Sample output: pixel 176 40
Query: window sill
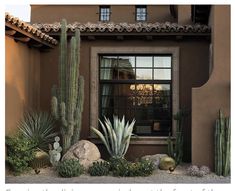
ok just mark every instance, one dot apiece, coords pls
pixel 143 140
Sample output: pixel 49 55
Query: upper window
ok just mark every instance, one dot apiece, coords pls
pixel 141 12
pixel 105 13
pixel 140 87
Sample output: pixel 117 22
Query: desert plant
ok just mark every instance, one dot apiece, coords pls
pixel 123 168
pixel 40 160
pixel 116 137
pixel 222 145
pixel 20 152
pixel 194 170
pixel 141 168
pixel 119 167
pixel 100 168
pixel 55 152
pixel 176 150
pixel 70 168
pixel 68 97
pixel 39 128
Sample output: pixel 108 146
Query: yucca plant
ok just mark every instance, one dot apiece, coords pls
pixel 38 127
pixel 116 137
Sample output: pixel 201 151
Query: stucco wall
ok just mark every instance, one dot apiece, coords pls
pixel 193 69
pixel 90 13
pixel 22 81
pixel 215 94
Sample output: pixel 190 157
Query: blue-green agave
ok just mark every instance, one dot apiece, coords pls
pixel 116 137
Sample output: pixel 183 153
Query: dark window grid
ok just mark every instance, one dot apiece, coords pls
pixel 143 82
pixel 141 13
pixel 104 13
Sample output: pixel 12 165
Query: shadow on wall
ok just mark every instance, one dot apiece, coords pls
pixel 14 108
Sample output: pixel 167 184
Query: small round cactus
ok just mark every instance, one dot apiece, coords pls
pixel 200 173
pixel 205 170
pixel 193 170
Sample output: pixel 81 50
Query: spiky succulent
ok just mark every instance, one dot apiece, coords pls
pixel 205 170
pixel 99 168
pixel 116 137
pixel 39 128
pixel 70 168
pixel 193 170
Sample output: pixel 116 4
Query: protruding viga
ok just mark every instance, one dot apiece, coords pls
pixel 68 98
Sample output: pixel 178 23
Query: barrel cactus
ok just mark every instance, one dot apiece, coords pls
pixel 193 170
pixel 99 168
pixel 40 160
pixel 166 163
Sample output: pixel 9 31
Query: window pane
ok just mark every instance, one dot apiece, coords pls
pixel 108 74
pixel 162 61
pixel 108 61
pixel 106 101
pixel 144 74
pixel 162 74
pixel 106 89
pixel 144 61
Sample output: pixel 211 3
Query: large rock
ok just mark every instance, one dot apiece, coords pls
pixel 155 158
pixel 166 163
pixel 84 151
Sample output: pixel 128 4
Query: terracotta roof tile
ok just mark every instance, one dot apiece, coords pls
pixel 29 29
pixel 110 27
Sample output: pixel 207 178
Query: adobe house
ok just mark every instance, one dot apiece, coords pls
pixel 145 62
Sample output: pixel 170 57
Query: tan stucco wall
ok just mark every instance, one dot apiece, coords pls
pixel 22 81
pixel 90 13
pixel 215 94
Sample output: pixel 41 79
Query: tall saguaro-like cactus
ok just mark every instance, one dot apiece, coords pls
pixel 222 145
pixel 68 98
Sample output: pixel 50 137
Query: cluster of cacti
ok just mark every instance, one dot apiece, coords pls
pixel 55 152
pixel 70 168
pixel 222 145
pixel 194 170
pixel 123 168
pixel 100 168
pixel 116 137
pixel 68 97
pixel 40 160
pixel 176 150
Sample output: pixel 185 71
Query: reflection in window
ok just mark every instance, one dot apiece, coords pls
pixel 137 87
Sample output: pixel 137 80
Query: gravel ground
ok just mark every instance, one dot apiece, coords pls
pixel 48 175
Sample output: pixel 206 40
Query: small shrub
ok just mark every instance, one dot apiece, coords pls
pixel 20 152
pixel 120 167
pixel 123 168
pixel 99 169
pixel 70 168
pixel 142 168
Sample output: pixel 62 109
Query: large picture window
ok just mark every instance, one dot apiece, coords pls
pixel 140 87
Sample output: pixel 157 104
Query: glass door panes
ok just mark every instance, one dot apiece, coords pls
pixel 137 86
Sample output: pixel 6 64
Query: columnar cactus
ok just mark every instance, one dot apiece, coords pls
pixel 68 98
pixel 176 151
pixel 55 152
pixel 222 145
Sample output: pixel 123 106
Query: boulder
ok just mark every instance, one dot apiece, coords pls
pixel 166 163
pixel 155 158
pixel 84 151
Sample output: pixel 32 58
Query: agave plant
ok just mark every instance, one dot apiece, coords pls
pixel 38 127
pixel 116 137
